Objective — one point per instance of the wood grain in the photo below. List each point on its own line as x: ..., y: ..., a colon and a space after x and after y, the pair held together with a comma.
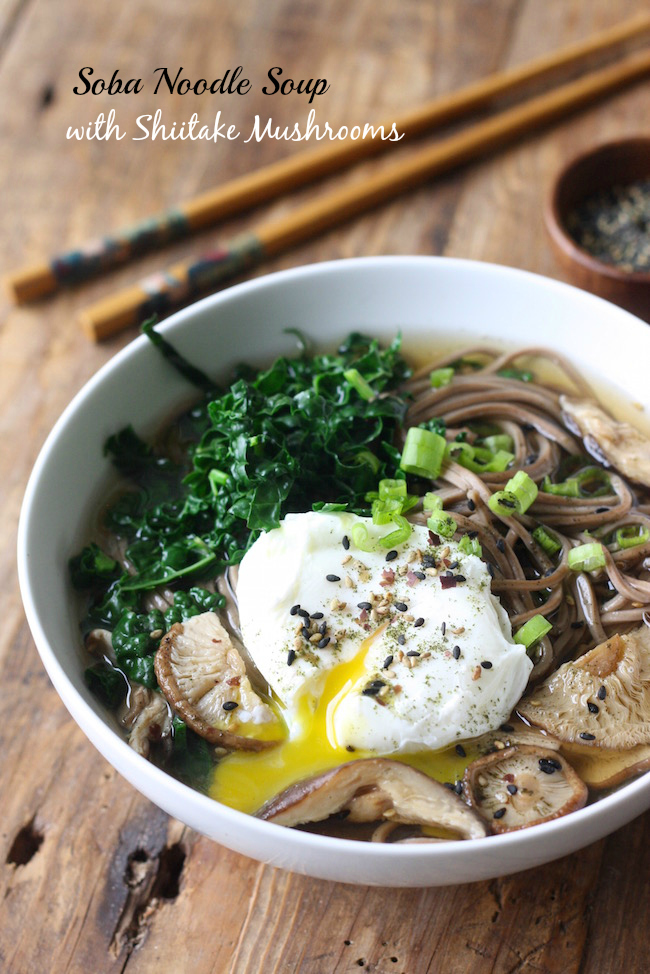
x: 92, y: 876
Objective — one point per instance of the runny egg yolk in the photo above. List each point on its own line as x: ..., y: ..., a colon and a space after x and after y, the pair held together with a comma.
x: 246, y: 780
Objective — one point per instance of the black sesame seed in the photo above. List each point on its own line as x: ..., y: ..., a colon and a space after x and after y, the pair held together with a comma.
x: 602, y: 693
x: 351, y: 748
x: 387, y: 662
x: 530, y: 459
x: 460, y: 578
x: 578, y: 624
x: 587, y: 737
x: 322, y: 628
x: 400, y: 606
x: 549, y: 765
x: 419, y: 622
x: 323, y: 642
x: 511, y: 789
x: 412, y: 652
x: 593, y: 707
x: 316, y: 615
x: 291, y: 655
x: 294, y: 610
x: 305, y: 632
x: 471, y: 504
x: 303, y: 613
x: 456, y: 652
x: 528, y: 427
x: 364, y: 605
x: 443, y: 628
x: 391, y: 555
x: 449, y: 573
x: 601, y: 510
x: 490, y: 568
x: 460, y: 751
x: 230, y: 705
x: 420, y: 575
x: 345, y: 542
x: 501, y: 545
x: 472, y: 534
x: 428, y: 561
x: 500, y: 812
x: 508, y: 728
x: 454, y: 564
x: 401, y: 639
x: 486, y: 664
x: 333, y: 578
x: 458, y: 787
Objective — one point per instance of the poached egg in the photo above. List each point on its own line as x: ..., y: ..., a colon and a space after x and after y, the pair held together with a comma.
x: 402, y: 652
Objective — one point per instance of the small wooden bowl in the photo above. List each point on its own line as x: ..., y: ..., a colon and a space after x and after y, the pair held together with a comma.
x: 615, y: 163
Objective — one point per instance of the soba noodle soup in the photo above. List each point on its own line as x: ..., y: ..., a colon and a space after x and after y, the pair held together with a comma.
x: 470, y: 475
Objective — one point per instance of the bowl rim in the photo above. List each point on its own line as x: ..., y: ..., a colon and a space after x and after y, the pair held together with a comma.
x: 116, y: 749
x: 554, y: 215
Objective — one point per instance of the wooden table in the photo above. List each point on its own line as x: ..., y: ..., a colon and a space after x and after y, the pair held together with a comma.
x: 93, y: 877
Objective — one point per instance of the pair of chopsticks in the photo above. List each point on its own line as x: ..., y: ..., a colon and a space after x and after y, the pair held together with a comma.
x: 183, y: 281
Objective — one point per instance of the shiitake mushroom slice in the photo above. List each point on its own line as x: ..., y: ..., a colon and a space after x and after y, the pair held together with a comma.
x: 602, y: 699
x: 523, y: 786
x: 204, y: 680
x: 372, y: 790
x: 601, y: 769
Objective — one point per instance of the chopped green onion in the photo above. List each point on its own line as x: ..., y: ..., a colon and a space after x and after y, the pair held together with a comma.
x: 519, y: 493
x: 478, y: 459
x: 361, y: 538
x: 587, y: 557
x: 503, y: 503
x: 431, y: 502
x: 360, y: 384
x: 594, y: 482
x: 632, y: 535
x: 441, y: 377
x: 401, y: 533
x: 383, y: 510
x: 568, y: 488
x: 423, y: 453
x: 216, y: 479
x: 392, y: 489
x: 532, y: 631
x: 590, y: 482
x: 500, y: 441
x: 546, y: 540
x: 524, y: 375
x: 470, y: 546
x: 524, y: 488
x: 498, y: 462
x: 461, y: 452
x: 442, y: 524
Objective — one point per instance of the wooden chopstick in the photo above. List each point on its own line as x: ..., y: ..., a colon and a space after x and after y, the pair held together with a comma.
x: 272, y: 181
x: 185, y: 280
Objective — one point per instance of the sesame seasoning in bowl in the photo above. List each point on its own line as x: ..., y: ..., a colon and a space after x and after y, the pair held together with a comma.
x: 613, y: 225
x: 598, y: 218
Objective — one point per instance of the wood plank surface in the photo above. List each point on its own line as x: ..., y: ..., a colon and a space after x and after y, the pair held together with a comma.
x: 93, y: 878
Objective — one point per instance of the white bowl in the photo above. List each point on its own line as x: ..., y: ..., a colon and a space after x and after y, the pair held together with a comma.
x: 432, y: 300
